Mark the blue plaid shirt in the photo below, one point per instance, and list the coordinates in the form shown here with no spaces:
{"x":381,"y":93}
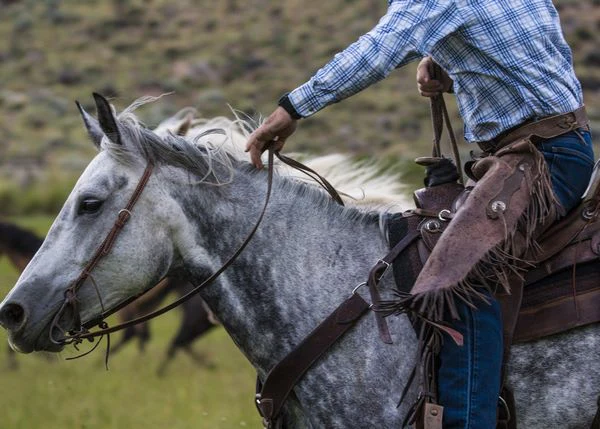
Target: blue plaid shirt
{"x":508,"y":59}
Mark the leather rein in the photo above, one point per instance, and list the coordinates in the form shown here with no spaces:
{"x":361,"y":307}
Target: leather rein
{"x":81,"y":331}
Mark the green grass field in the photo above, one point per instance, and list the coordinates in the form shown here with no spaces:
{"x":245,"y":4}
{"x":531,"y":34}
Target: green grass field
{"x":48,"y":392}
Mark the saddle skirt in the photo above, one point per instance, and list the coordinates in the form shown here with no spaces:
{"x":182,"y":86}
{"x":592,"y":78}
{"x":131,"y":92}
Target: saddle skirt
{"x":562,"y":288}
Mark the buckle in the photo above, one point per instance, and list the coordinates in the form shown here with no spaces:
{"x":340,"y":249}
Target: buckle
{"x":381,"y":273}
{"x":387,"y":264}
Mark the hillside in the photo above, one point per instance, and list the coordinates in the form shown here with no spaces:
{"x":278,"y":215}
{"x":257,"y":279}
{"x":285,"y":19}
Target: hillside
{"x":208,"y":54}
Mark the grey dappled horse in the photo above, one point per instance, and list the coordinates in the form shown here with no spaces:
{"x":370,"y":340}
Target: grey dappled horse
{"x":307,"y":257}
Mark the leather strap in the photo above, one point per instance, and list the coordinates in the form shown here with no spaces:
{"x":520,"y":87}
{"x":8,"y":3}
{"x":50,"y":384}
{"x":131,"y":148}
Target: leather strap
{"x":284,"y":376}
{"x":197,"y":288}
{"x":545,"y":128}
{"x":375,"y":276}
{"x":578,"y":253}
{"x":439,"y":117}
{"x":313,"y":175}
{"x":122,"y":218}
{"x":506,"y":410}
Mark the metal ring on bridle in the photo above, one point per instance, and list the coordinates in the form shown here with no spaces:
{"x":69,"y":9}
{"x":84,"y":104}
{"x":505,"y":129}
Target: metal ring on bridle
{"x":124,"y":211}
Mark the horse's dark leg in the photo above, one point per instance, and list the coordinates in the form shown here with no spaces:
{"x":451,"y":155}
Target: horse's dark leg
{"x":128,"y":334}
{"x":11,"y":361}
{"x":143,"y":334}
{"x":199,"y":357}
{"x":182,"y":339}
{"x":170,"y":355}
{"x":195,"y":323}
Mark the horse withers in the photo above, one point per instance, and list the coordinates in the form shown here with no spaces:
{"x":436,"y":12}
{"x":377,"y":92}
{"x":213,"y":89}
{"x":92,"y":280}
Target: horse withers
{"x":304,"y":260}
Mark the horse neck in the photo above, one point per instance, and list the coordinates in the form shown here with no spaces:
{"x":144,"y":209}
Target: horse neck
{"x":305,"y":259}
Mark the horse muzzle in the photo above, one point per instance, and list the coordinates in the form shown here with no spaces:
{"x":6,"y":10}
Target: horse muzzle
{"x":22,"y":335}
{"x":13,"y":316}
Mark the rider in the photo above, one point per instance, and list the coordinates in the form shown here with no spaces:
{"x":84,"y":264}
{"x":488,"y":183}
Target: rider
{"x":511,"y":70}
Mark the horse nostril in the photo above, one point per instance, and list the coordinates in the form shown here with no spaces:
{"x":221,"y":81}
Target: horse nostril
{"x":12,"y":316}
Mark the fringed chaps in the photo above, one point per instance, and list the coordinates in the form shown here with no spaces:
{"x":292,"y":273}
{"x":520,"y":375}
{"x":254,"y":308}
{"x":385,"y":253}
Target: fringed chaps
{"x":485,"y":243}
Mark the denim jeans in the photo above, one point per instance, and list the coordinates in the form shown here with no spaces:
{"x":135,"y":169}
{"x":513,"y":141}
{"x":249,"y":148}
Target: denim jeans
{"x":570,"y":160}
{"x":469,"y":376}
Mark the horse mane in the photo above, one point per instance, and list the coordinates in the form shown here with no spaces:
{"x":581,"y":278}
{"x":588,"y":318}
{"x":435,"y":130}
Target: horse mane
{"x":19,"y":240}
{"x":213,"y":149}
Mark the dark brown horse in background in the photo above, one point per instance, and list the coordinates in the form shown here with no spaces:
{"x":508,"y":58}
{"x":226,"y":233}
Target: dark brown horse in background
{"x":19,"y":245}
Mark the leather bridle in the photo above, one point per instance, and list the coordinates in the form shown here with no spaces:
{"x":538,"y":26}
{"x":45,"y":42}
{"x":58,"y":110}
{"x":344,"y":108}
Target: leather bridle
{"x":71,"y":302}
{"x":81,"y":331}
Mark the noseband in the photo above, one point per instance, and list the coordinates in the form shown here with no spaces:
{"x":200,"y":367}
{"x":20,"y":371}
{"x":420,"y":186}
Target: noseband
{"x":80,"y":331}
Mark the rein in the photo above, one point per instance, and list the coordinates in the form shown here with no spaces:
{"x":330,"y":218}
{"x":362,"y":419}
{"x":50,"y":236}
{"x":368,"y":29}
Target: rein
{"x":81,"y":331}
{"x":439,"y":118}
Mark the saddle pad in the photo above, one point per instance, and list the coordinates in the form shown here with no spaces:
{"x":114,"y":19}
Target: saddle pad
{"x":408,"y":265}
{"x":561,"y":301}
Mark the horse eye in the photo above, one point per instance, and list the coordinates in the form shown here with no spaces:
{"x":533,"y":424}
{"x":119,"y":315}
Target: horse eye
{"x":89,"y":206}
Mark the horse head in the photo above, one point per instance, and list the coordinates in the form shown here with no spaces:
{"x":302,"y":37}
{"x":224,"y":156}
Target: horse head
{"x":33,"y":312}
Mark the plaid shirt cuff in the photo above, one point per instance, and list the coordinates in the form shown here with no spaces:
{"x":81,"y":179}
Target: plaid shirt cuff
{"x":305,"y":100}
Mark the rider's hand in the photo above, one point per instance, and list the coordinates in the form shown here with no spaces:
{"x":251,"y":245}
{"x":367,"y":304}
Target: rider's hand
{"x":429,"y":87}
{"x":277,"y":128}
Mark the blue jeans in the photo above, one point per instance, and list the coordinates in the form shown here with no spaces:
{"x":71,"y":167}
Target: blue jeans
{"x":469,"y":376}
{"x":570,"y":160}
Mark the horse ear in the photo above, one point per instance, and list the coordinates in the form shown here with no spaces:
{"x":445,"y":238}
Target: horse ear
{"x":185,"y":126}
{"x":92,"y":125}
{"x":107,"y":120}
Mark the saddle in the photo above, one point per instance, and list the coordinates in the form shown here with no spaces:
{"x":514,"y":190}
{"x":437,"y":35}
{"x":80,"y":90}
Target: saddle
{"x":562,"y":289}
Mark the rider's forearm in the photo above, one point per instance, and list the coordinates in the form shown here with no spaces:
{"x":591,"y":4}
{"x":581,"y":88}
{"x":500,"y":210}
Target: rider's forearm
{"x":388,"y":46}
